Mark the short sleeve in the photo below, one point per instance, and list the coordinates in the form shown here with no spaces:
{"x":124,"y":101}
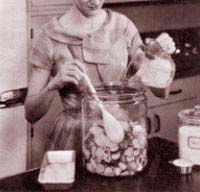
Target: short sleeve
{"x":133,"y":38}
{"x":41,"y":52}
{"x":134,"y":43}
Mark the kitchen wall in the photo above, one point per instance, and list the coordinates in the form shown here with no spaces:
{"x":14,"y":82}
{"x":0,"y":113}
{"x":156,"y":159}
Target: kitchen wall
{"x":153,"y":17}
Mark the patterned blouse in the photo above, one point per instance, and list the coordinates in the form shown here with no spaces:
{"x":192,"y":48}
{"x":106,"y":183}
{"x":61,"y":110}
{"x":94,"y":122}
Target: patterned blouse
{"x":106,"y":52}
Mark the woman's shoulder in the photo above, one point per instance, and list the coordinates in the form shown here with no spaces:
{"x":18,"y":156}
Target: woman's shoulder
{"x":54,"y":31}
{"x":120,"y":25}
{"x":46,"y":30}
{"x":120,"y":19}
{"x":50,"y":27}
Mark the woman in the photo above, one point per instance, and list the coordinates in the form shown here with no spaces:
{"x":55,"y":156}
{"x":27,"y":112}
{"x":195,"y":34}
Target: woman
{"x":87,"y":39}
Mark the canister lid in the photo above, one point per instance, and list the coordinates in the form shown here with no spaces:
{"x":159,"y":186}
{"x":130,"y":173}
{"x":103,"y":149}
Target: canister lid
{"x":190,"y":115}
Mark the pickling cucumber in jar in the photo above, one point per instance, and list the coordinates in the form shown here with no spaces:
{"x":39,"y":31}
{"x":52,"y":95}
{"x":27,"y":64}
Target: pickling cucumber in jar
{"x":126,"y":102}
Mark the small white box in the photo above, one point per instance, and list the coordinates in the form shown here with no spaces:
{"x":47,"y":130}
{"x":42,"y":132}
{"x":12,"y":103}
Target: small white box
{"x":57,"y":170}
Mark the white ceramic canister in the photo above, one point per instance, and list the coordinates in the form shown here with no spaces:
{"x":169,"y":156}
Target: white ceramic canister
{"x":189,"y":134}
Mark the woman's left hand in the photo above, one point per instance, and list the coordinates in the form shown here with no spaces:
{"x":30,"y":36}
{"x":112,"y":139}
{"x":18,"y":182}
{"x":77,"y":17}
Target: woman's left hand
{"x":166,"y":43}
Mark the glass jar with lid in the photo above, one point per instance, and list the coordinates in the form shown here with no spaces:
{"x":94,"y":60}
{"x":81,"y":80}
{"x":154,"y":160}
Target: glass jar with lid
{"x":189,"y":134}
{"x":127,"y":104}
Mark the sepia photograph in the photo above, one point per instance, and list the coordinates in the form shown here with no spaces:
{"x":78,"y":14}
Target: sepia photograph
{"x":100,"y":95}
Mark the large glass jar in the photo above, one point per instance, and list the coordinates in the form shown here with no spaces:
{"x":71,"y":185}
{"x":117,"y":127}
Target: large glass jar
{"x":127,"y":104}
{"x":189,"y":134}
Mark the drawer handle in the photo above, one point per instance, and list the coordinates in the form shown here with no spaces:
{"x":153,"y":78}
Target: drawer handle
{"x":157,"y":124}
{"x":176,"y":92}
{"x":148,"y":125}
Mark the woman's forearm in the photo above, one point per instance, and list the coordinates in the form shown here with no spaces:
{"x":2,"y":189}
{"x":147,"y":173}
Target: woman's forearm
{"x":36,"y":106}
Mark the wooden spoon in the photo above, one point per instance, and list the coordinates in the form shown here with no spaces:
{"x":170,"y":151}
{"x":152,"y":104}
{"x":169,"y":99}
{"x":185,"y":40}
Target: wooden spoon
{"x":113,"y":128}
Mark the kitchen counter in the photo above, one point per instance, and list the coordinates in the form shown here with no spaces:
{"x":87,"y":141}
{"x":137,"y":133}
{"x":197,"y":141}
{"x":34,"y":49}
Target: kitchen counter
{"x":158,"y":176}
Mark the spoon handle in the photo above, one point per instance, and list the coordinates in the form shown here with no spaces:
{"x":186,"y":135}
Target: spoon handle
{"x":111,"y":125}
{"x":91,"y":87}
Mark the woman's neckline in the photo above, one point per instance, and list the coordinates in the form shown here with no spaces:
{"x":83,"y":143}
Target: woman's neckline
{"x":74,"y":26}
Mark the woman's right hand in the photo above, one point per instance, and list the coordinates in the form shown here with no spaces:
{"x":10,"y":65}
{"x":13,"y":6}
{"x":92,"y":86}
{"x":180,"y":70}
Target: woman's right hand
{"x":68,"y":72}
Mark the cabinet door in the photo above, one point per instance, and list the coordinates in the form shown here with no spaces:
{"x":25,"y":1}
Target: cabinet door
{"x":164,"y":119}
{"x":40,"y":130}
{"x":150,"y":124}
{"x":34,"y":26}
{"x":37,"y":18}
{"x":35,"y":22}
{"x":180,"y":90}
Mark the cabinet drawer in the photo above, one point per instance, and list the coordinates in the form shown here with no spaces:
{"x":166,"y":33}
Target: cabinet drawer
{"x":43,"y":7}
{"x":181,"y":89}
{"x":50,"y":2}
{"x":163,"y":119}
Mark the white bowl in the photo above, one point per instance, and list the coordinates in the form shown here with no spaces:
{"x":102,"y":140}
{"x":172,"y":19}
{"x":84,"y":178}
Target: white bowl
{"x":57,"y":170}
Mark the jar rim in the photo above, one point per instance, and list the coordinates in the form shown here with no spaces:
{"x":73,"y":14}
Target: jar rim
{"x":190,"y":115}
{"x":118,"y":92}
{"x":137,"y":87}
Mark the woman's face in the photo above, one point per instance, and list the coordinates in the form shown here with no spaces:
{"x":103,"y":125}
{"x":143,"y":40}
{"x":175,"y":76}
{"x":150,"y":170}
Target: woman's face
{"x":89,"y":7}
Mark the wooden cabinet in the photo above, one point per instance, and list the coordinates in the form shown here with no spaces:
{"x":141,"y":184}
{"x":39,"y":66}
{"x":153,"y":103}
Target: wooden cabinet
{"x":180,"y":90}
{"x":162,"y":114}
{"x":164,"y":119}
{"x":40,"y":12}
